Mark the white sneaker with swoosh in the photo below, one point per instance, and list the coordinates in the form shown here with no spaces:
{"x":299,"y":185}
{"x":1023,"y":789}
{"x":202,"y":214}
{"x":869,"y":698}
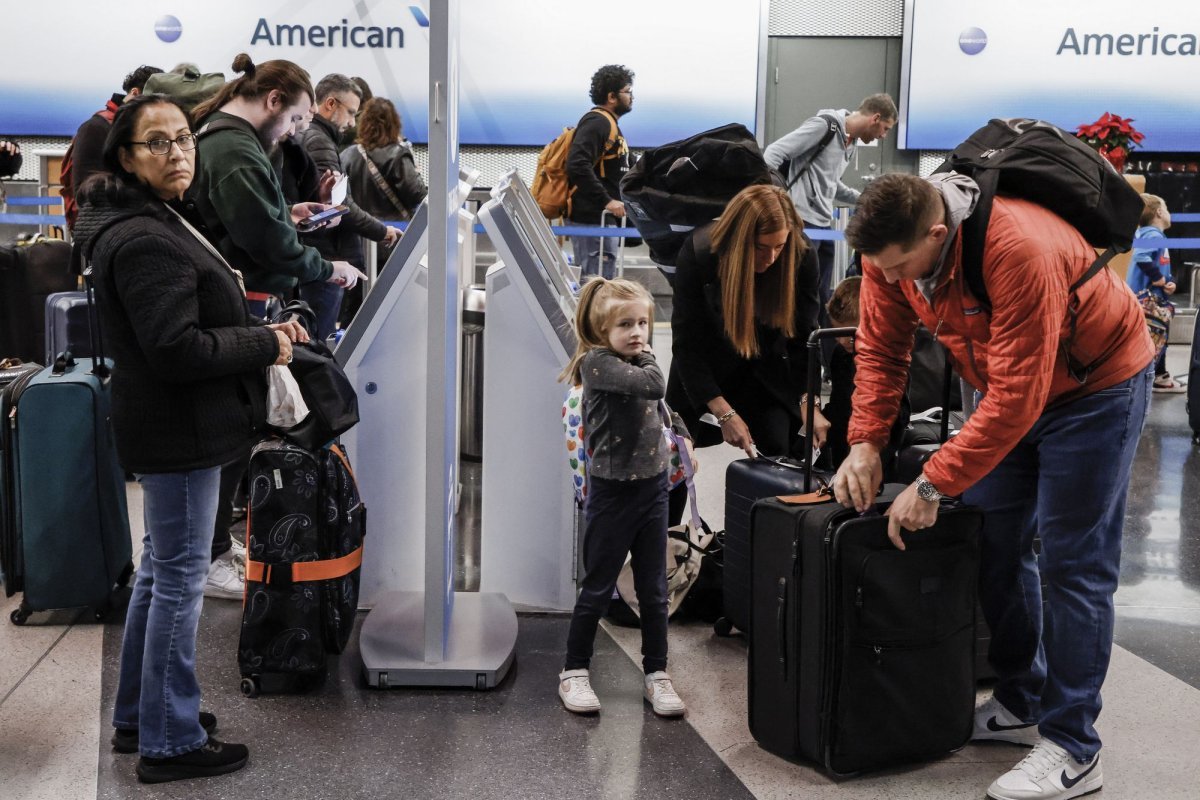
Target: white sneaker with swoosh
{"x":1048,"y":773}
{"x":994,"y":722}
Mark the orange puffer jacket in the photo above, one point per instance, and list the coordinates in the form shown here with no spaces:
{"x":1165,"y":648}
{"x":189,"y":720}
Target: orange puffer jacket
{"x":1013,"y":354}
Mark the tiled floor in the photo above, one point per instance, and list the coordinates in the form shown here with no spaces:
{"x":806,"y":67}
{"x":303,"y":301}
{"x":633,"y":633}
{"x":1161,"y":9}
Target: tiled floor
{"x":344,"y":740}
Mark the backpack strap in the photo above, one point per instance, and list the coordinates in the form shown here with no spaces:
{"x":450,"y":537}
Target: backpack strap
{"x":614,"y":137}
{"x":826,"y":138}
{"x":235,"y":124}
{"x":974,"y":233}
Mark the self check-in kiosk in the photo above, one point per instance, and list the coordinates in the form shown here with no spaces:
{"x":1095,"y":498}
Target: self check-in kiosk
{"x":528,"y":541}
{"x":384,"y":353}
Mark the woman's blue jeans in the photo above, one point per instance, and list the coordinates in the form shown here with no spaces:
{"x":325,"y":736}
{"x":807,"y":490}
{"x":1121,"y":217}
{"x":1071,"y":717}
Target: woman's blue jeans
{"x":157,"y":691}
{"x":1066,"y":481}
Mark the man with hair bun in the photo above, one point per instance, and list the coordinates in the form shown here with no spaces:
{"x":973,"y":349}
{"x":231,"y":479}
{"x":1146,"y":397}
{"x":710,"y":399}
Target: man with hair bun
{"x":237,"y":190}
{"x":247,"y":217}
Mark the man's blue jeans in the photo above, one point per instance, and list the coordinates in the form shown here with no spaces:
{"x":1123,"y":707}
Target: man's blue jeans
{"x":326,"y":301}
{"x":157,"y":691}
{"x":1065,"y":481}
{"x":587,"y":254}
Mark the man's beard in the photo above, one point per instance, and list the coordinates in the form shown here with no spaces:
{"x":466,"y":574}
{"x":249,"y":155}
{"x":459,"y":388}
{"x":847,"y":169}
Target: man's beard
{"x":265,"y":132}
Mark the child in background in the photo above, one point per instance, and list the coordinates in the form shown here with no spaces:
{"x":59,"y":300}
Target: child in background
{"x":626,"y":507}
{"x":1150,"y":268}
{"x":843,"y":313}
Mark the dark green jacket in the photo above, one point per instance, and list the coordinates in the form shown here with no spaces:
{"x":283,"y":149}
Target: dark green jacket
{"x":238,"y":194}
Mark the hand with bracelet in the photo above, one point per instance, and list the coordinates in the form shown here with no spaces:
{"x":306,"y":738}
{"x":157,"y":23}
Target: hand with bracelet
{"x":821,"y":425}
{"x":733,"y":428}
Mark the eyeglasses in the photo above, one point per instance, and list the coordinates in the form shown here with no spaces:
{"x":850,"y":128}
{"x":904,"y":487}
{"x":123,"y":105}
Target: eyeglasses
{"x":354,"y":112}
{"x":626,"y":91}
{"x":160,"y":147}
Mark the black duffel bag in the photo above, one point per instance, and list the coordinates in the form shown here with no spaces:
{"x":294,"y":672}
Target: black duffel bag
{"x":328,"y":393}
{"x":679,"y":186}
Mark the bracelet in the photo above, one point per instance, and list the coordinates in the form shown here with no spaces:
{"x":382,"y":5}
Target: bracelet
{"x":728,"y":415}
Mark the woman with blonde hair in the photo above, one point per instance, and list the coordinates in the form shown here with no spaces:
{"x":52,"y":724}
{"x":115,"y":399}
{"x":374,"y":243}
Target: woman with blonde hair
{"x":745,"y":302}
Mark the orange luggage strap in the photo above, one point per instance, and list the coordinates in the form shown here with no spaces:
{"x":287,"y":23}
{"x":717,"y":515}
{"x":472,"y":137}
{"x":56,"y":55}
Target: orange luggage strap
{"x":304,"y":571}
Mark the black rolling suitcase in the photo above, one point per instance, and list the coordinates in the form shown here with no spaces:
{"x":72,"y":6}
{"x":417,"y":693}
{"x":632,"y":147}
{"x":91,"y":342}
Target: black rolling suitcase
{"x":747,"y":481}
{"x":305,"y":524}
{"x":30,"y":271}
{"x":861,"y":655}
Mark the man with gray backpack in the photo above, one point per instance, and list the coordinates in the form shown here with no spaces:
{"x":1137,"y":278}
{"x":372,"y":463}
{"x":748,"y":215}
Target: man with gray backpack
{"x":813,"y":158}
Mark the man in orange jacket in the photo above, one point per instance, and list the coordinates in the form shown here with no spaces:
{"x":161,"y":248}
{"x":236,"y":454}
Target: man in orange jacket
{"x":1048,"y":450}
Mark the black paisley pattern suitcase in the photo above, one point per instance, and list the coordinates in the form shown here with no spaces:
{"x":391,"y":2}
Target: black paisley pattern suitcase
{"x":304,"y":537}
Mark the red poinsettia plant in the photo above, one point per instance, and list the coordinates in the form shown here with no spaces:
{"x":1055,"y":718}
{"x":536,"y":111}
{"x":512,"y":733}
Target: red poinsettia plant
{"x":1111,"y":136}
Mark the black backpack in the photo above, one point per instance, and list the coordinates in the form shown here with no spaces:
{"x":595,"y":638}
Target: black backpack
{"x":679,"y":186}
{"x":1037,"y":161}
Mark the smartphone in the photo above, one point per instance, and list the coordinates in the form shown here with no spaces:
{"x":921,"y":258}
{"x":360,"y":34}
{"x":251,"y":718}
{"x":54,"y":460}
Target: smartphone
{"x":319,"y":219}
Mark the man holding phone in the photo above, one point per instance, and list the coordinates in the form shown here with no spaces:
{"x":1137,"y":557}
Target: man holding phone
{"x":338,"y":102}
{"x":238,"y":192}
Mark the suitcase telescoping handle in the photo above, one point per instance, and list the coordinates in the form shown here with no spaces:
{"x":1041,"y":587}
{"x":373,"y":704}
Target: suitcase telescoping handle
{"x":814,"y":391}
{"x":947,"y":385}
{"x":99,"y":366}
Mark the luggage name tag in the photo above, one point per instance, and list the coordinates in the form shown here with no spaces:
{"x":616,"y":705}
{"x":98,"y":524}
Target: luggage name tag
{"x":822,"y":495}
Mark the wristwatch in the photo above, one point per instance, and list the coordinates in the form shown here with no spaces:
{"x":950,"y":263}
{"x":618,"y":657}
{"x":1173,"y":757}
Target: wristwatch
{"x":926,"y":490}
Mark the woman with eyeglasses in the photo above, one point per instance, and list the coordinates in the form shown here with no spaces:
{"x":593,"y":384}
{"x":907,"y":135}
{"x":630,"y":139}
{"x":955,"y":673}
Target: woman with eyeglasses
{"x":188,"y":395}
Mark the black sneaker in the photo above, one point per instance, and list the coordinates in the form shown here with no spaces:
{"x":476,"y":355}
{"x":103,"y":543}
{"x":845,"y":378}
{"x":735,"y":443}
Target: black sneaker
{"x":214,"y":758}
{"x":126,"y":741}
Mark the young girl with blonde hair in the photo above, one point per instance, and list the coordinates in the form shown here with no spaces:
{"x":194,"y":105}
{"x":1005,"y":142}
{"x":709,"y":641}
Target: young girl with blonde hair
{"x":626,"y":507}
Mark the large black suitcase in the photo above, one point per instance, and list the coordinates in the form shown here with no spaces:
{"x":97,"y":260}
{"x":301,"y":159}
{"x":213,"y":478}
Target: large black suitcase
{"x":30,"y":272}
{"x":861,"y":655}
{"x":304,"y":536}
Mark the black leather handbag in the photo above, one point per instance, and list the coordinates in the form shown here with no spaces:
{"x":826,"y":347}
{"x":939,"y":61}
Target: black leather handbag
{"x":326,"y":390}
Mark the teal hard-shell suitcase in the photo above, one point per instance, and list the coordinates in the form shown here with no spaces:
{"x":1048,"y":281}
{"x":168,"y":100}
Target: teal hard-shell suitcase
{"x":65,"y":523}
{"x":68,"y":522}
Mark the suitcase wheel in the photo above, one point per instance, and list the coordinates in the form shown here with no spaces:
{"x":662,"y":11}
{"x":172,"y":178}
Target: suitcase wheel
{"x":723,"y":627}
{"x":250,"y":687}
{"x":19,"y":615}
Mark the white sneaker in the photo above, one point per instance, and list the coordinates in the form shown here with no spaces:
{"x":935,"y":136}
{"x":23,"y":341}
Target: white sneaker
{"x":662,"y":697}
{"x":223,"y":579}
{"x":575,"y":691}
{"x":994,"y":722}
{"x":1048,"y":773}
